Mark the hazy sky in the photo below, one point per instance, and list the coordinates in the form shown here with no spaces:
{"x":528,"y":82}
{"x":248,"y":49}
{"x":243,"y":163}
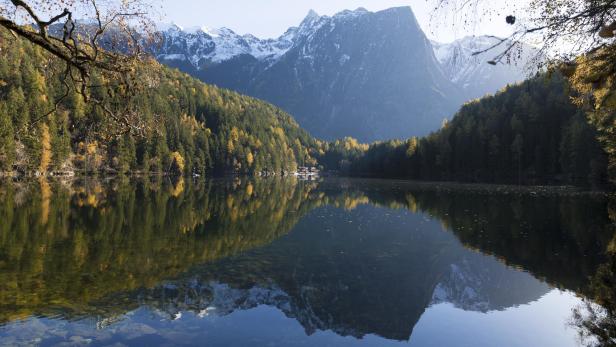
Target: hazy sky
{"x":270,"y":18}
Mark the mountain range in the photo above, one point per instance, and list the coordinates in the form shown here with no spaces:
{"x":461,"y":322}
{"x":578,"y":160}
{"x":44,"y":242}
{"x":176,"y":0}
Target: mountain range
{"x":369,"y":75}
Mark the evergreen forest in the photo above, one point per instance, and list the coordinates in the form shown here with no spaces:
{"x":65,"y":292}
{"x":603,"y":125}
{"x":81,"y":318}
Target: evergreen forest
{"x":530,"y":133}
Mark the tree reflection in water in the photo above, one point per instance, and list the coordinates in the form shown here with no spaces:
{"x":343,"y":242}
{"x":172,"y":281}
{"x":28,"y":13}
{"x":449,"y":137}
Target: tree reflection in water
{"x":595,"y":318}
{"x":103,"y":248}
{"x":63,"y":246}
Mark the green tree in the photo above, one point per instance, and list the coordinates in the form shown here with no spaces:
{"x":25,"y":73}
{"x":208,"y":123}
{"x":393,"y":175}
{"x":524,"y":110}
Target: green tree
{"x":7,"y":142}
{"x":517,"y":148}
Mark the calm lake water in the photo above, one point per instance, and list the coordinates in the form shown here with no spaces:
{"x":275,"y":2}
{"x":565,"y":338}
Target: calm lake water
{"x":281,"y":262}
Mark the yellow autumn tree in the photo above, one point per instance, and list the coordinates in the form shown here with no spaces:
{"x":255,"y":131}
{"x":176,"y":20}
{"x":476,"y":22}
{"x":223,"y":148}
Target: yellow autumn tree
{"x":230,"y":147}
{"x":178,"y":188}
{"x":592,"y":76}
{"x":45,"y":148}
{"x":249,"y":190}
{"x":412,"y":145}
{"x":177,"y":163}
{"x":45,"y":200}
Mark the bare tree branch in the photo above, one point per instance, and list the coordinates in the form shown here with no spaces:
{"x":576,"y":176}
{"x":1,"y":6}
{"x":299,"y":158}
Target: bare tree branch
{"x":79,"y":46}
{"x":563,"y":29}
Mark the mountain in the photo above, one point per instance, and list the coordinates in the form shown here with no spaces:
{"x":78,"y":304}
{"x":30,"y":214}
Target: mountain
{"x":200,"y":47}
{"x":472,"y":73}
{"x":369,"y":75}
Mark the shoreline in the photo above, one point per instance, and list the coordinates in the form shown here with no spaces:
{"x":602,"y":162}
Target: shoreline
{"x":487,"y":188}
{"x":439,"y":186}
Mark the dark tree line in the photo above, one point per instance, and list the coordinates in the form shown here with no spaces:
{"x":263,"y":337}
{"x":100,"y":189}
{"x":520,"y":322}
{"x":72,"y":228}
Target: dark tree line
{"x":578,"y":36}
{"x":528,"y":133}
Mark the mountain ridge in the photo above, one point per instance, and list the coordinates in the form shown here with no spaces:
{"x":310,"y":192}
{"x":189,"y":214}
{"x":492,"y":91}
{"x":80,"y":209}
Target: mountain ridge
{"x":233,"y":44}
{"x":369,"y":75}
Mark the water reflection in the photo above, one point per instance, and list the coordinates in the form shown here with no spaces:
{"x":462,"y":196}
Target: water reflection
{"x":355,"y":273}
{"x":62,"y":247}
{"x":595,"y":318}
{"x":147,"y":262}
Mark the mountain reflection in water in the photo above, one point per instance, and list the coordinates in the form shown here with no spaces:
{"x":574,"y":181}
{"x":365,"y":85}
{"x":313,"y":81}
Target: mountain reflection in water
{"x":147,"y":262}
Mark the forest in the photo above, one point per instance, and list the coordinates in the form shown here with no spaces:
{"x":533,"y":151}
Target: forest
{"x":191,"y":127}
{"x":530,"y":133}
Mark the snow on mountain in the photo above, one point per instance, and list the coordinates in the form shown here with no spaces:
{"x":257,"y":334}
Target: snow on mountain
{"x":201,"y":46}
{"x":473,"y":74}
{"x":356,"y":73}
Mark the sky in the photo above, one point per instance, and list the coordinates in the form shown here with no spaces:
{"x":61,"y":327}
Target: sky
{"x":271,"y":18}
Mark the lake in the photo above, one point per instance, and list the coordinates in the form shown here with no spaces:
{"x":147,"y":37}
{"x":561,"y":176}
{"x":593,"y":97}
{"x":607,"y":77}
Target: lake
{"x":283,"y":262}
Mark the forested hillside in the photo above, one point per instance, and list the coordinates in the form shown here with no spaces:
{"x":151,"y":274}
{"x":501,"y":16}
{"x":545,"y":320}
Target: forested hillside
{"x":527,"y":133}
{"x":190,"y":127}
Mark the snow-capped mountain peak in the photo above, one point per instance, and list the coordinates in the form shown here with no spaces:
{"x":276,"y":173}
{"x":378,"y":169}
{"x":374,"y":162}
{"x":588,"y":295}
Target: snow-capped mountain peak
{"x":324,"y":68}
{"x":202,"y":45}
{"x":471,"y":72}
{"x":212,"y":32}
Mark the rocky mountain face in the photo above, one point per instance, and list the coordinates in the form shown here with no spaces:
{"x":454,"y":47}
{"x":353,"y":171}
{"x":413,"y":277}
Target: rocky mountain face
{"x":372,"y":76}
{"x":369,"y":75}
{"x":471,"y":72}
